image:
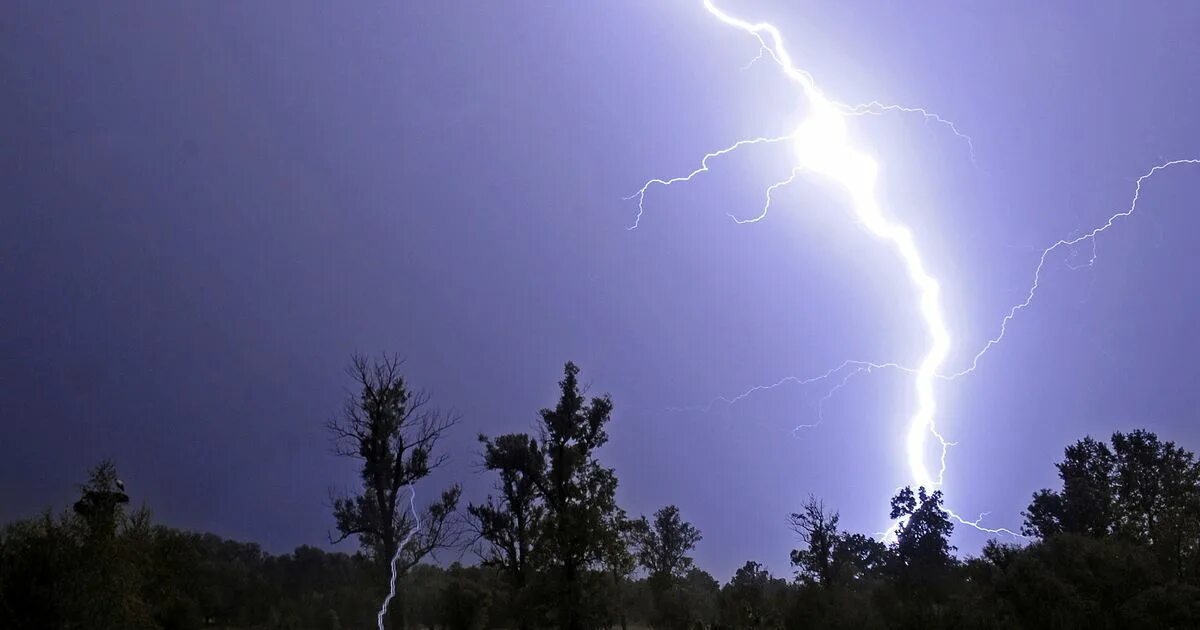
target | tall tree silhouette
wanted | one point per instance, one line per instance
(579, 497)
(819, 532)
(510, 523)
(393, 432)
(1085, 504)
(663, 546)
(922, 547)
(1156, 486)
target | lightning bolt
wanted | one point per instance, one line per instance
(821, 148)
(877, 108)
(1089, 237)
(640, 195)
(412, 497)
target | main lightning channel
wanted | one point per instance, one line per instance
(1088, 237)
(822, 147)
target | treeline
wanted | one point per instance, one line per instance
(1117, 545)
(110, 569)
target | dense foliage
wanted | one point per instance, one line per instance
(1116, 546)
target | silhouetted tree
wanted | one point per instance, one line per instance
(663, 545)
(1141, 489)
(921, 560)
(108, 572)
(579, 495)
(466, 599)
(35, 572)
(102, 505)
(857, 556)
(923, 538)
(576, 504)
(752, 598)
(510, 523)
(819, 531)
(394, 432)
(1157, 490)
(101, 565)
(1085, 505)
(619, 564)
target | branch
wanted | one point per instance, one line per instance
(344, 535)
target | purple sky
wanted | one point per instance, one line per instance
(208, 207)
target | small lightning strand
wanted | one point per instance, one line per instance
(1037, 274)
(731, 401)
(977, 525)
(767, 205)
(829, 396)
(860, 367)
(761, 51)
(889, 535)
(396, 556)
(1074, 253)
(876, 108)
(640, 195)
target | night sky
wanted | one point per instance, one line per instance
(207, 207)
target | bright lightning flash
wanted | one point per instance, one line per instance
(822, 148)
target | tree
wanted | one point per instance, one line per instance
(1086, 472)
(102, 505)
(819, 531)
(84, 569)
(466, 599)
(34, 555)
(109, 572)
(923, 540)
(1140, 489)
(663, 545)
(832, 557)
(557, 507)
(578, 495)
(921, 565)
(856, 556)
(619, 564)
(1044, 516)
(393, 432)
(1085, 505)
(1157, 490)
(511, 523)
(752, 597)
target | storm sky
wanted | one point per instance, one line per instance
(207, 207)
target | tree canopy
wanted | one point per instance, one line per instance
(1116, 545)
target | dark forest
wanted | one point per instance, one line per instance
(1117, 545)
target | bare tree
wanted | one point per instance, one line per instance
(819, 531)
(393, 431)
